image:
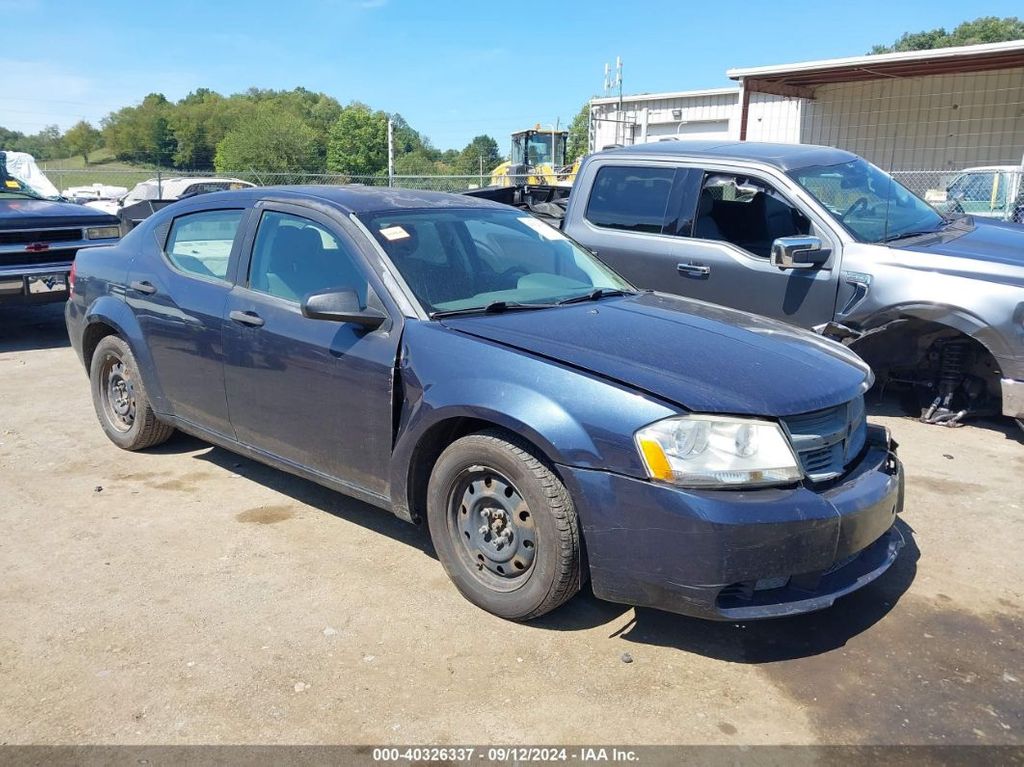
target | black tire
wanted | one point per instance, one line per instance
(529, 560)
(120, 398)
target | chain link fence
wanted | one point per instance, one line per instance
(68, 178)
(990, 192)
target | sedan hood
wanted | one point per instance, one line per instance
(700, 356)
(20, 213)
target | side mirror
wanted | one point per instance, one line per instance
(341, 306)
(804, 252)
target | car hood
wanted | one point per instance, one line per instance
(700, 356)
(19, 213)
(978, 240)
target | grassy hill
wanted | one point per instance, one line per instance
(103, 168)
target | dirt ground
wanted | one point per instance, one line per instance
(187, 595)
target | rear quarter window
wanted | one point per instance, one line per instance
(630, 198)
(200, 243)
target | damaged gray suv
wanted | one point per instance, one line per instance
(823, 239)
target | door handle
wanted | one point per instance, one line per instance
(247, 318)
(142, 286)
(694, 271)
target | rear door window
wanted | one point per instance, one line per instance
(631, 198)
(200, 243)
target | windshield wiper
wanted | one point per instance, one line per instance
(594, 295)
(906, 235)
(495, 307)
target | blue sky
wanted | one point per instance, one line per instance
(453, 69)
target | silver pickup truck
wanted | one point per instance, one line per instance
(822, 239)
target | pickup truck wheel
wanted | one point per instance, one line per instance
(503, 526)
(120, 398)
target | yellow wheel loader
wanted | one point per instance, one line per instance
(537, 158)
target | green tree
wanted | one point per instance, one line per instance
(358, 141)
(578, 142)
(273, 140)
(142, 133)
(45, 145)
(82, 138)
(481, 155)
(986, 29)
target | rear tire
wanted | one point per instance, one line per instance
(120, 398)
(504, 526)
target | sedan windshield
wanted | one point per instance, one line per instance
(488, 260)
(868, 202)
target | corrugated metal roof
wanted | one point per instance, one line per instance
(966, 58)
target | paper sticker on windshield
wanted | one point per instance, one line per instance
(545, 231)
(392, 233)
(12, 184)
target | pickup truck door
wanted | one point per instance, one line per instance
(704, 234)
(315, 393)
(724, 252)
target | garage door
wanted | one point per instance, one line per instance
(711, 129)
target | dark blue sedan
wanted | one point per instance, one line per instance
(469, 368)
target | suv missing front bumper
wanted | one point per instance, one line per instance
(731, 555)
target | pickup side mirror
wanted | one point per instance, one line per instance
(337, 305)
(804, 252)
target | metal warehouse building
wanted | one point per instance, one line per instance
(934, 110)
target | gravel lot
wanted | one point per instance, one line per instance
(187, 595)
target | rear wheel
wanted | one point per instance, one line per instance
(120, 398)
(504, 526)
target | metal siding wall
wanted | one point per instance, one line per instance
(695, 109)
(933, 122)
(774, 118)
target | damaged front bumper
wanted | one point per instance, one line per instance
(741, 554)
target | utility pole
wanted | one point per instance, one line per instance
(391, 153)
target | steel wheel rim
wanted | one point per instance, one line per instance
(118, 394)
(492, 527)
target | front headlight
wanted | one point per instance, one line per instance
(714, 451)
(102, 232)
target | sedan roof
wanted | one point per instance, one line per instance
(356, 199)
(783, 156)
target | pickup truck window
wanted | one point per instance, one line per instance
(200, 243)
(869, 203)
(982, 191)
(630, 197)
(746, 212)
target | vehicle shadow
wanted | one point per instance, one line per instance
(23, 328)
(302, 490)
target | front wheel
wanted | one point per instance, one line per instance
(504, 526)
(120, 398)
